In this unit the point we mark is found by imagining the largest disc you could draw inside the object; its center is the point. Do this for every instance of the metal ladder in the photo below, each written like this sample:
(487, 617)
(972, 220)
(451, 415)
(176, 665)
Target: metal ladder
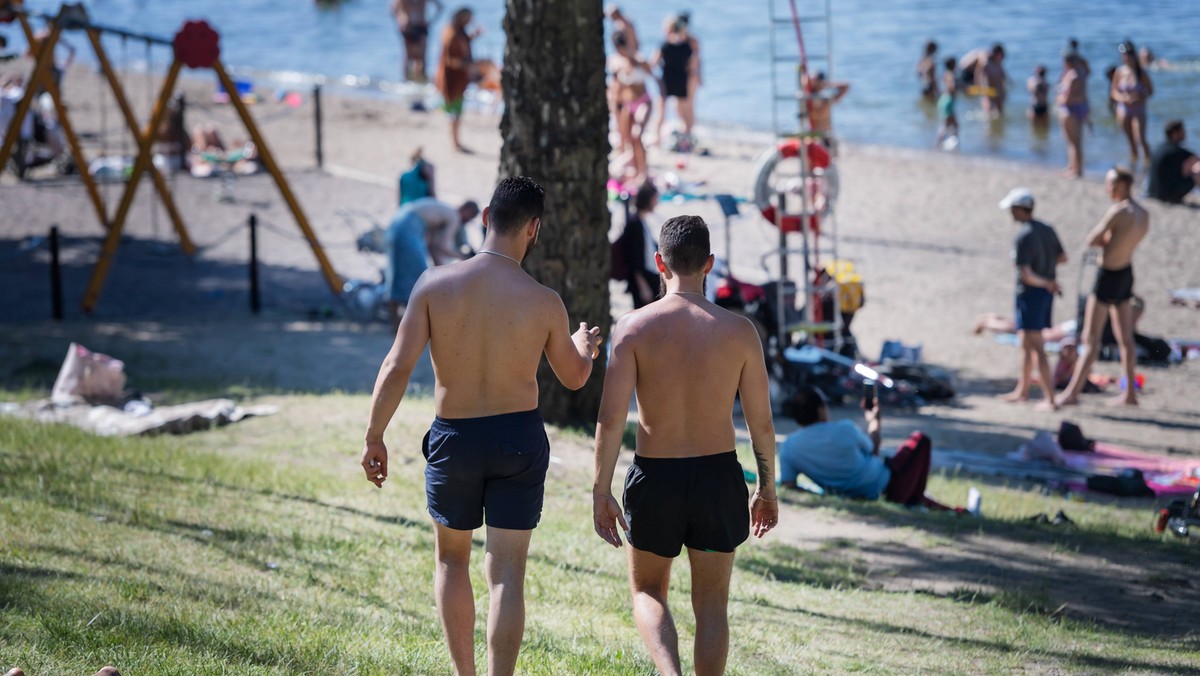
(793, 35)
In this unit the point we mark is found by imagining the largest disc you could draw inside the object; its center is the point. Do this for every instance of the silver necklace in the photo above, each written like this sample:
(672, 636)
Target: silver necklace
(497, 253)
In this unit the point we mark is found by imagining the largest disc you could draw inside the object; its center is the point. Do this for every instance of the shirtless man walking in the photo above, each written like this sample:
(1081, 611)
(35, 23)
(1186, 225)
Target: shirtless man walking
(487, 324)
(413, 24)
(687, 359)
(1118, 234)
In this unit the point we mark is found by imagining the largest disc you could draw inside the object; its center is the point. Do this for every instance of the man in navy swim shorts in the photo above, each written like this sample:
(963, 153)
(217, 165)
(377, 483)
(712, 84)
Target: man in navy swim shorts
(1037, 253)
(687, 360)
(487, 324)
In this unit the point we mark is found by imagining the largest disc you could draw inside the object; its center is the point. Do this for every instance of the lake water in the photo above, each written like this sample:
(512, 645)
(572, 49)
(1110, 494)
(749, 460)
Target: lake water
(875, 46)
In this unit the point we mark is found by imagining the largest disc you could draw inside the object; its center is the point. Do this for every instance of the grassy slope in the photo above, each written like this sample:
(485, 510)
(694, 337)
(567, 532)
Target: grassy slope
(259, 548)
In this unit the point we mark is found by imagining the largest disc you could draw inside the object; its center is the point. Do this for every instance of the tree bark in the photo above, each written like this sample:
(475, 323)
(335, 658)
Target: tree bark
(555, 130)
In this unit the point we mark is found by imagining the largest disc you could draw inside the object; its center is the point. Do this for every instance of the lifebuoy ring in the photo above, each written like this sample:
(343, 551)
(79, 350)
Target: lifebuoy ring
(822, 184)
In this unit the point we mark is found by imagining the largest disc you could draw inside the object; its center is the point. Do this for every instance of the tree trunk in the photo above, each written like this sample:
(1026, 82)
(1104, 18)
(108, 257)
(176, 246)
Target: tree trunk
(555, 130)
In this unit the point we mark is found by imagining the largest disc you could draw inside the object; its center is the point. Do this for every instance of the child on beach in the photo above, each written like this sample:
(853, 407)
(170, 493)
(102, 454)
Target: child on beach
(947, 137)
(1039, 90)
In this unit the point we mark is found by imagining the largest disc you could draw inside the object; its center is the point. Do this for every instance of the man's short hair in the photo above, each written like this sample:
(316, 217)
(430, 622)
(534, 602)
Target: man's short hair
(684, 245)
(1122, 175)
(644, 198)
(1173, 127)
(516, 201)
(805, 407)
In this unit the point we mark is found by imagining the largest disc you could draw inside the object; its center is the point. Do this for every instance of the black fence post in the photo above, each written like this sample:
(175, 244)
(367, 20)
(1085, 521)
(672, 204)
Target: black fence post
(255, 301)
(317, 124)
(56, 292)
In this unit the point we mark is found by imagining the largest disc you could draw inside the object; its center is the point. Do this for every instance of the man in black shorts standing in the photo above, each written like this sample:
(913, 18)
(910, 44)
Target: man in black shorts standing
(487, 324)
(413, 22)
(1118, 235)
(1037, 252)
(687, 360)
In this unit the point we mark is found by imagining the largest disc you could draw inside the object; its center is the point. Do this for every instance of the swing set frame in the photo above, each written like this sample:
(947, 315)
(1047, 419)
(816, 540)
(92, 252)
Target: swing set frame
(195, 46)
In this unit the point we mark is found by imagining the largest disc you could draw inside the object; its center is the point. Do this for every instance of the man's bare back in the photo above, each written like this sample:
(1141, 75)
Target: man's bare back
(1124, 227)
(691, 357)
(491, 325)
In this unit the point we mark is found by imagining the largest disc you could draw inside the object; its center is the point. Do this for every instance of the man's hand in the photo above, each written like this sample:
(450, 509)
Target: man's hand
(606, 514)
(1054, 288)
(374, 462)
(764, 513)
(588, 340)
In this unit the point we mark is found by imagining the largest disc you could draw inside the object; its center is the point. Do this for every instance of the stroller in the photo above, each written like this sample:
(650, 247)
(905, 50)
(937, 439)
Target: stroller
(1180, 517)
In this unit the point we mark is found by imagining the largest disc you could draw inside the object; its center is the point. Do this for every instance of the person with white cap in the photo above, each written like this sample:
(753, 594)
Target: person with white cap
(1036, 253)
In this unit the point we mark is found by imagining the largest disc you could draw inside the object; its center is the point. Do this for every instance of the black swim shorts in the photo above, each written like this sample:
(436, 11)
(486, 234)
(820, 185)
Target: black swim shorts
(701, 502)
(1114, 286)
(493, 467)
(415, 31)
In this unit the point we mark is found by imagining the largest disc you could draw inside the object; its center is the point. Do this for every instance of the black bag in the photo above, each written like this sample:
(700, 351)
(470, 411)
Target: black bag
(1070, 438)
(1128, 484)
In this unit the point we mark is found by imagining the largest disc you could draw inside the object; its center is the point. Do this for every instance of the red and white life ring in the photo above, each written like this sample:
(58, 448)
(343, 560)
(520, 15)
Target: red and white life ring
(822, 184)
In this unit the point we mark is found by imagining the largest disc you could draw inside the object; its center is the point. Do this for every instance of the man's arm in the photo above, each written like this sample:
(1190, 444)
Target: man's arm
(1030, 278)
(874, 418)
(399, 13)
(1100, 234)
(839, 90)
(619, 381)
(754, 390)
(442, 242)
(571, 355)
(392, 380)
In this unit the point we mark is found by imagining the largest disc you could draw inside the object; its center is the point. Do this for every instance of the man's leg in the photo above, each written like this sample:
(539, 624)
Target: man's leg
(710, 602)
(504, 563)
(1021, 391)
(649, 577)
(1122, 322)
(1036, 345)
(452, 589)
(1093, 325)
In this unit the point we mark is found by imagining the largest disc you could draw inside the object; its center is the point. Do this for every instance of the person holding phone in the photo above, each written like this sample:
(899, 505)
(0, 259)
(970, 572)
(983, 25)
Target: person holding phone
(843, 460)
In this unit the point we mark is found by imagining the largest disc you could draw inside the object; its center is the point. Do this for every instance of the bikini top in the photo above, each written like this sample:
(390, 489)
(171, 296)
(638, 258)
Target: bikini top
(632, 76)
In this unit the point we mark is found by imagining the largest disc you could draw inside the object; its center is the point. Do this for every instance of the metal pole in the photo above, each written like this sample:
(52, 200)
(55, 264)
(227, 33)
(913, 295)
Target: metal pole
(56, 294)
(317, 124)
(780, 296)
(255, 301)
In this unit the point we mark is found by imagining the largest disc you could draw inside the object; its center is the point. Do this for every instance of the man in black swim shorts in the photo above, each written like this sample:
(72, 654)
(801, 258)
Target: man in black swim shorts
(687, 359)
(413, 21)
(487, 324)
(1118, 234)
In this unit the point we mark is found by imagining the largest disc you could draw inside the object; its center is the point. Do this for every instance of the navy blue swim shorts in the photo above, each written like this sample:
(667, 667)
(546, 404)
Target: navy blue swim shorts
(493, 467)
(701, 502)
(1034, 308)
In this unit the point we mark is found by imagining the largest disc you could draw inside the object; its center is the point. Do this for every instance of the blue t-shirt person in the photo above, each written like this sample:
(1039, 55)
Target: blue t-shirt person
(837, 456)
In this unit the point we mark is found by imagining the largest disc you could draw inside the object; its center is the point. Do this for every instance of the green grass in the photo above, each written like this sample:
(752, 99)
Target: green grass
(259, 548)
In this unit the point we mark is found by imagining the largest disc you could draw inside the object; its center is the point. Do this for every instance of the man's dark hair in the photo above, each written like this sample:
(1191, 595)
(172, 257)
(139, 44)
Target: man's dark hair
(1172, 127)
(1122, 175)
(683, 243)
(805, 407)
(644, 198)
(517, 201)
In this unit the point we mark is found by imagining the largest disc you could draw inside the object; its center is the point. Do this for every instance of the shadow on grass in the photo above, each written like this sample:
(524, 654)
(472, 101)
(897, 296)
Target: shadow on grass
(1072, 657)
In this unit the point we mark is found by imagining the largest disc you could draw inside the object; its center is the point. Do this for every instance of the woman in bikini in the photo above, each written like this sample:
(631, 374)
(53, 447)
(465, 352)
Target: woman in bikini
(1131, 87)
(1072, 103)
(631, 101)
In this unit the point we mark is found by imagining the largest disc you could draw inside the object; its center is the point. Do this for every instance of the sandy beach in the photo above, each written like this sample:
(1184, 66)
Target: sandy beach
(923, 228)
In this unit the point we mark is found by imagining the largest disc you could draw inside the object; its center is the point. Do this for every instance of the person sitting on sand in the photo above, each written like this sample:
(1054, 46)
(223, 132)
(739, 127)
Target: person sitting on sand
(209, 153)
(1174, 170)
(1037, 252)
(422, 229)
(1118, 234)
(841, 459)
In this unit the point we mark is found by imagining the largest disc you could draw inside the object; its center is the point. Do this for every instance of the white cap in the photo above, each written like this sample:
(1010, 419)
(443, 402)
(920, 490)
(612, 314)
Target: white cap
(1017, 197)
